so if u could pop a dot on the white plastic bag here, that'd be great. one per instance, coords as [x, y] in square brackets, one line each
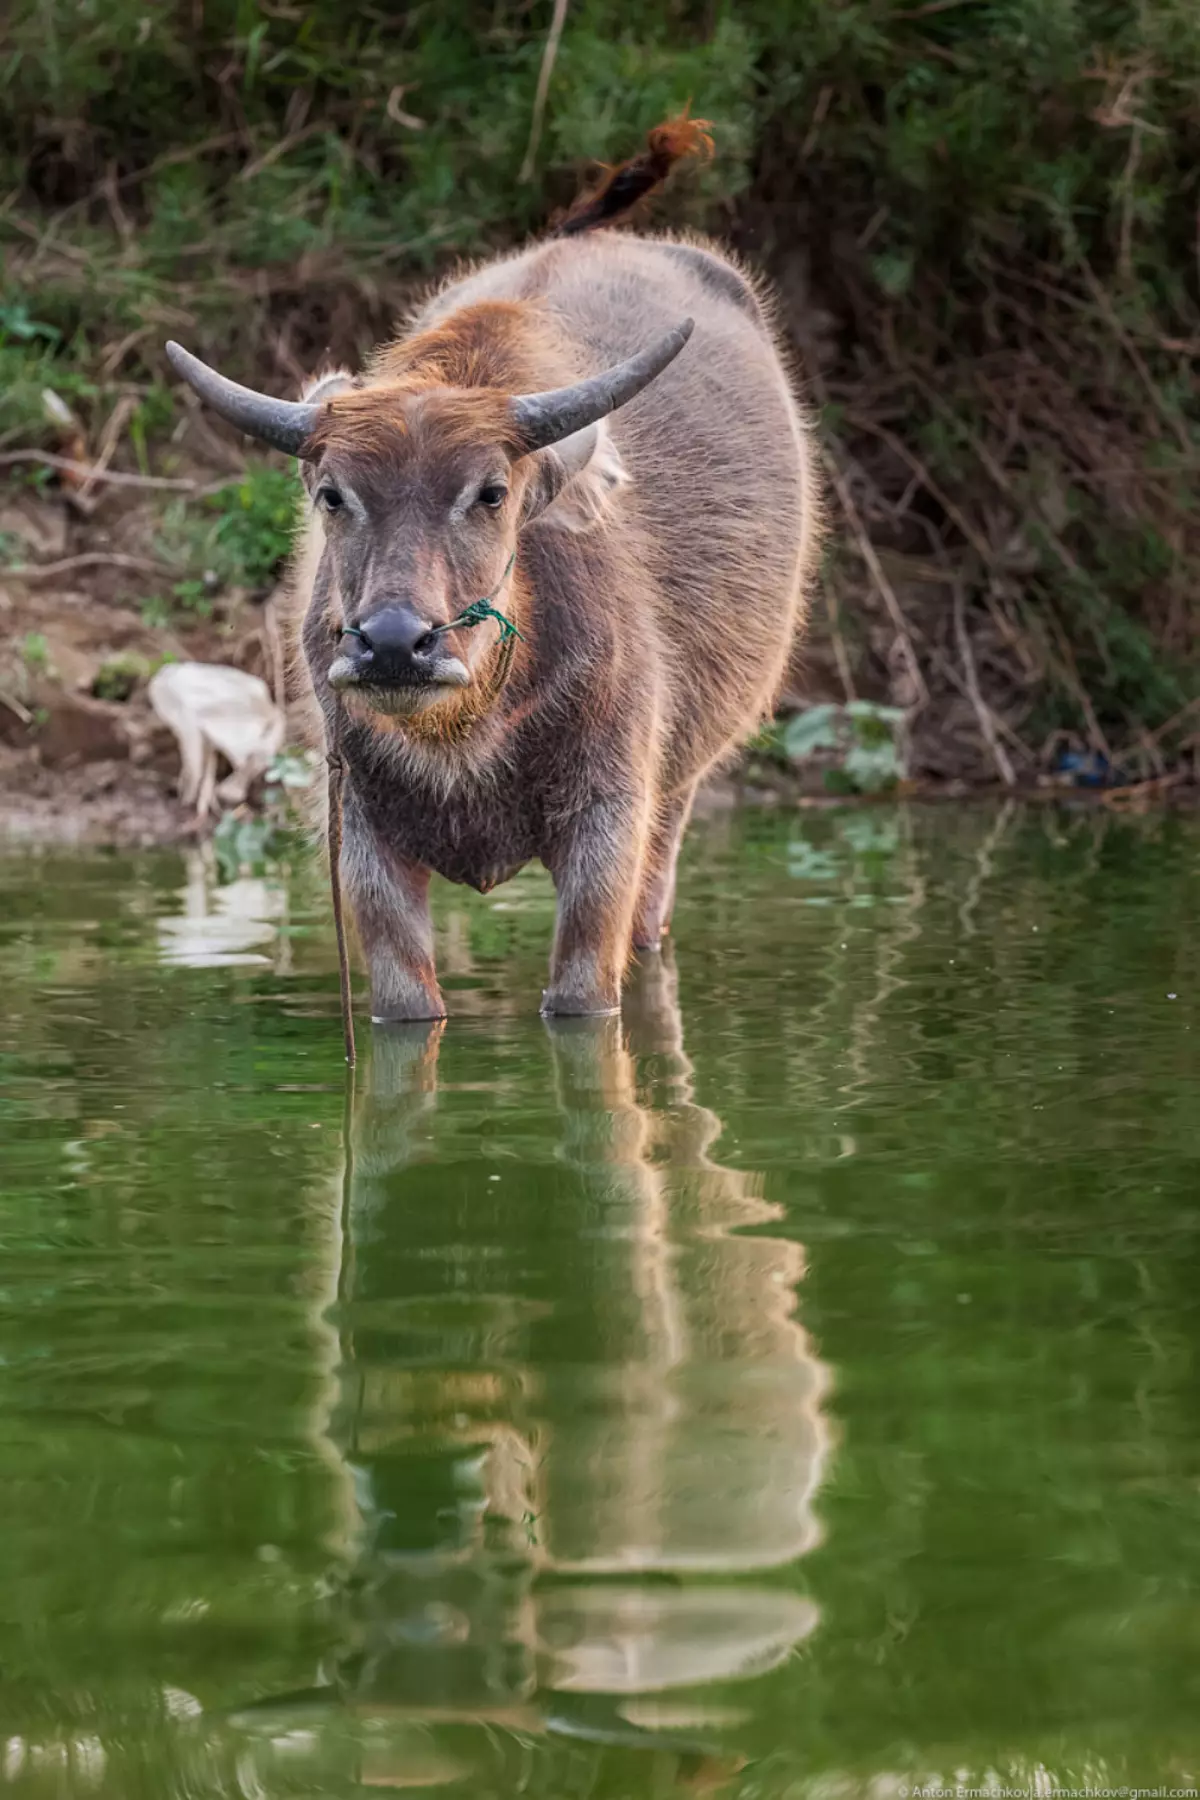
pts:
[217, 711]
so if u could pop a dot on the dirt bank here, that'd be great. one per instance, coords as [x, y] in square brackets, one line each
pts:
[83, 625]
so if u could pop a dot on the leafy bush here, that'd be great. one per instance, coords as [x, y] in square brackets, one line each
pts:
[35, 653]
[119, 677]
[254, 521]
[239, 536]
[858, 747]
[206, 144]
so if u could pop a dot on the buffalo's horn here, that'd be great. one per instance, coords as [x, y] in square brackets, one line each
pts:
[542, 419]
[285, 424]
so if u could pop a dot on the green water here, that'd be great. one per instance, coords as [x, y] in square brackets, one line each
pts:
[793, 1392]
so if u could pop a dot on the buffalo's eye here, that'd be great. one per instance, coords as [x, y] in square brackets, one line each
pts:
[493, 494]
[330, 499]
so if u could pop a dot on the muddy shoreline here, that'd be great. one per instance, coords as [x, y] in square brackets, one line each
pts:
[113, 805]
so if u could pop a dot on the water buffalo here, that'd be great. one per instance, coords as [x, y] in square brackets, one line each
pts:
[590, 449]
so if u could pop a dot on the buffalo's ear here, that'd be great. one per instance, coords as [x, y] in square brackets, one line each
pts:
[338, 381]
[573, 484]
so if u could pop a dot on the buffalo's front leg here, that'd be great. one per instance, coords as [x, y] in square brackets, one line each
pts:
[596, 871]
[390, 900]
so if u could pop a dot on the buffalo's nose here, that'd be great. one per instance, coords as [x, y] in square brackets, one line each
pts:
[393, 640]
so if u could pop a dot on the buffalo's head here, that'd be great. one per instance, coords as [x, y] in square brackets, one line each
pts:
[420, 490]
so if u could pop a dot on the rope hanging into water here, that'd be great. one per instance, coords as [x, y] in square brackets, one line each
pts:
[479, 610]
[337, 776]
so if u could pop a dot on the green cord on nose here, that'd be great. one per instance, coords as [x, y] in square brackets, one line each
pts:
[479, 610]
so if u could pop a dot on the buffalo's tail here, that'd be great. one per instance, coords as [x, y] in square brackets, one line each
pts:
[630, 181]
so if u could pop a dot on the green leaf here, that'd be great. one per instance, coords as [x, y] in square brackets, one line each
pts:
[812, 730]
[894, 270]
[872, 770]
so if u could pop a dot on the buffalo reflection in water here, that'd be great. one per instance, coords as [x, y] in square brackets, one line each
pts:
[568, 1399]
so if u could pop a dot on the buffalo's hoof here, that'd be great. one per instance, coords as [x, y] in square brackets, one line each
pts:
[578, 1006]
[419, 1009]
[422, 1018]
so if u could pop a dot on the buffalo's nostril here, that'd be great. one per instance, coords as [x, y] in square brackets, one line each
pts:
[396, 641]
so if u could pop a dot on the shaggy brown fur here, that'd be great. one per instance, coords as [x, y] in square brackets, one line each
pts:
[625, 185]
[657, 587]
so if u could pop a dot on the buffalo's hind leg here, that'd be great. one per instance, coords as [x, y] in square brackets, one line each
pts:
[390, 901]
[656, 896]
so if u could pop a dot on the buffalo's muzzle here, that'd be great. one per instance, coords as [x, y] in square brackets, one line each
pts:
[394, 648]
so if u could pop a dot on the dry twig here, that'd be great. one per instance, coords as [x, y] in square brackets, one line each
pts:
[884, 586]
[15, 707]
[921, 475]
[89, 559]
[117, 420]
[1139, 793]
[824, 98]
[112, 476]
[281, 147]
[553, 38]
[1135, 356]
[1129, 176]
[1075, 683]
[983, 712]
[829, 590]
[944, 666]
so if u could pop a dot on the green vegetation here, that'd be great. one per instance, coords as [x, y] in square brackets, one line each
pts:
[251, 524]
[981, 215]
[858, 748]
[119, 678]
[35, 653]
[237, 536]
[249, 843]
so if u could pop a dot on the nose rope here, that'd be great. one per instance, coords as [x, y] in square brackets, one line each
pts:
[475, 614]
[337, 775]
[479, 610]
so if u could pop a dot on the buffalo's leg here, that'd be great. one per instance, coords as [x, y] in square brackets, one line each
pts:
[390, 900]
[656, 897]
[596, 872]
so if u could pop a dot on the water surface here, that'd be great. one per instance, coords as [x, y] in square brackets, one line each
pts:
[791, 1390]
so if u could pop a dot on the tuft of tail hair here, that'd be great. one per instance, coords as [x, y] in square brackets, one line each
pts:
[631, 181]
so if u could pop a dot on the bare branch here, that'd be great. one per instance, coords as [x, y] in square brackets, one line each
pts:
[90, 559]
[543, 87]
[89, 473]
[983, 712]
[886, 590]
